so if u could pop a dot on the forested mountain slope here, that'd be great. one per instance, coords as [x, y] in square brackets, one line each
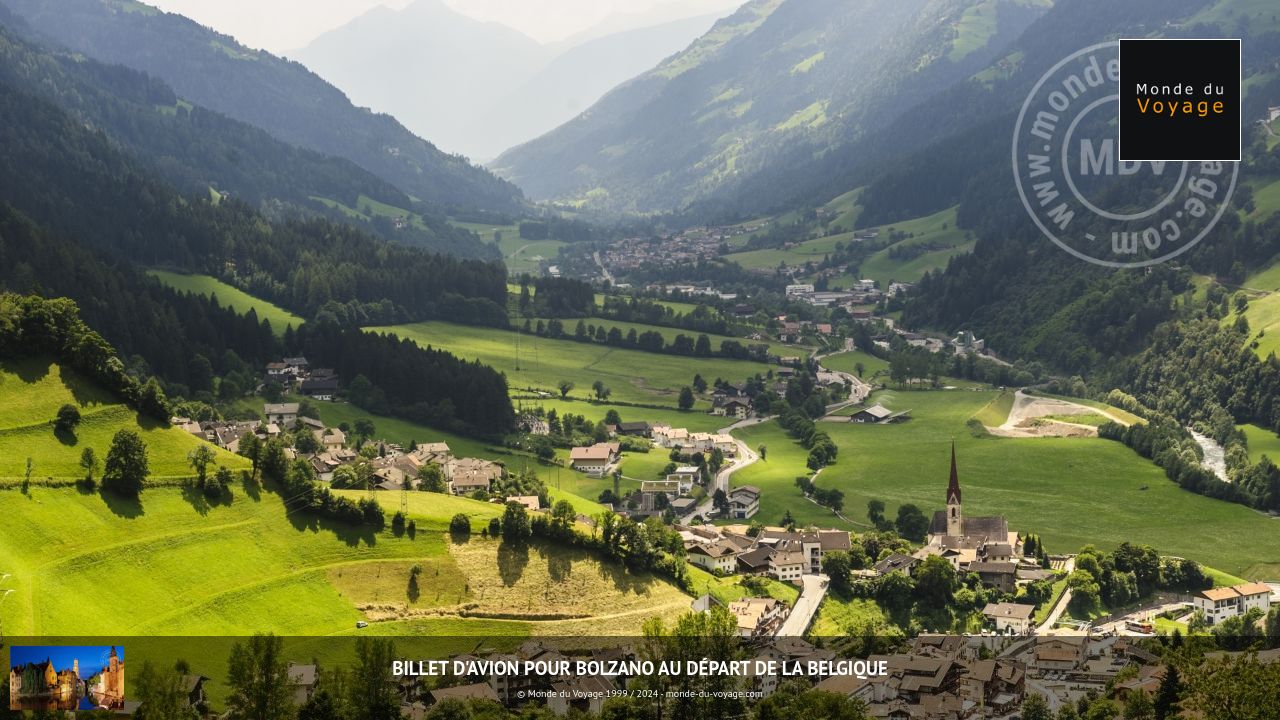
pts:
[100, 215]
[776, 85]
[203, 152]
[279, 96]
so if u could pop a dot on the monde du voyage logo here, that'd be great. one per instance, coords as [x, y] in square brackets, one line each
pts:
[1125, 153]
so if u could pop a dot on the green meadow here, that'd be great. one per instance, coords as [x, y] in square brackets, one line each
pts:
[937, 233]
[229, 295]
[632, 375]
[936, 237]
[873, 368]
[1262, 443]
[252, 564]
[1071, 491]
[670, 333]
[32, 390]
[520, 255]
[798, 255]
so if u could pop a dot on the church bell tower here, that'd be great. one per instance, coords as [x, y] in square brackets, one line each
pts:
[955, 519]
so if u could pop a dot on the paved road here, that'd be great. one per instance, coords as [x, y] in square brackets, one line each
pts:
[1117, 626]
[603, 270]
[813, 590]
[859, 389]
[1047, 626]
[746, 456]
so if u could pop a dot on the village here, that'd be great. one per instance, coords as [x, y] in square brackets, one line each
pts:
[982, 674]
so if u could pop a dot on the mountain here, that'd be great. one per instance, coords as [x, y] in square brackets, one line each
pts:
[660, 14]
[405, 62]
[80, 217]
[571, 82]
[282, 97]
[202, 152]
[776, 83]
[410, 63]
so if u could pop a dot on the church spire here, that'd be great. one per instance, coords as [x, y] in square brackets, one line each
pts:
[953, 488]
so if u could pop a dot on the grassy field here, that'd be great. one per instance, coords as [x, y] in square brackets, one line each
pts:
[520, 255]
[670, 333]
[403, 432]
[213, 573]
[873, 366]
[836, 613]
[1071, 491]
[1041, 484]
[728, 589]
[775, 476]
[31, 391]
[1262, 442]
[798, 255]
[996, 412]
[237, 299]
[1263, 312]
[845, 209]
[1266, 198]
[694, 421]
[367, 208]
[248, 565]
[937, 231]
[632, 375]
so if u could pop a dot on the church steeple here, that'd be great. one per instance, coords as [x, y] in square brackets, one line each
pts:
[953, 488]
[955, 519]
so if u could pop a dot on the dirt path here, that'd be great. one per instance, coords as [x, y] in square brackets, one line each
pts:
[1026, 418]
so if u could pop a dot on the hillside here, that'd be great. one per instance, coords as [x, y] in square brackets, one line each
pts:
[32, 390]
[777, 83]
[1039, 484]
[202, 152]
[634, 376]
[282, 97]
[250, 564]
[527, 88]
[230, 296]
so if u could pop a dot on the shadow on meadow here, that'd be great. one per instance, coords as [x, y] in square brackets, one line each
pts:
[513, 558]
[204, 499]
[122, 505]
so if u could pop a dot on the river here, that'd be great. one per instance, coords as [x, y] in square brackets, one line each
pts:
[1215, 458]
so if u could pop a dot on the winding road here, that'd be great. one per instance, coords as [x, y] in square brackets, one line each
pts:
[746, 456]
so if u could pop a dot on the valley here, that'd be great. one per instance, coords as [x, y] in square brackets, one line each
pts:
[742, 336]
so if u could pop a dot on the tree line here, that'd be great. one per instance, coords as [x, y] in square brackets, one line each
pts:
[77, 183]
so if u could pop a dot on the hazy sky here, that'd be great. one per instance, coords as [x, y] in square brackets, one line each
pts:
[283, 25]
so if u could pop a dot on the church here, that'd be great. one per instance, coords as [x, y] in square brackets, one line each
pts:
[969, 540]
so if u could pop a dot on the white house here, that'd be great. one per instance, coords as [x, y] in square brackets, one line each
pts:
[1218, 604]
[594, 460]
[721, 556]
[282, 414]
[758, 616]
[725, 444]
[669, 437]
[1010, 617]
[788, 565]
[686, 476]
[744, 502]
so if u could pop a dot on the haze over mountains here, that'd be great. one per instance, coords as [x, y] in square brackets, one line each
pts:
[776, 82]
[213, 70]
[406, 63]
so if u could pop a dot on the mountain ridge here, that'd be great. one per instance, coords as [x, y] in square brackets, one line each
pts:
[278, 95]
[778, 79]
